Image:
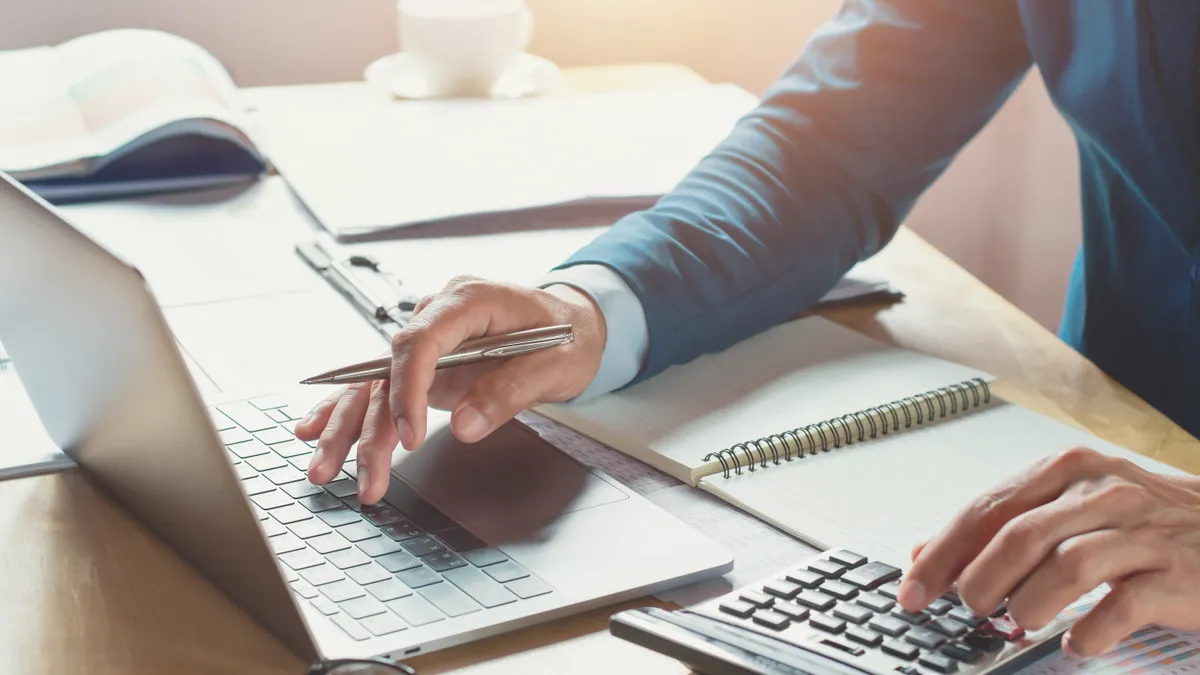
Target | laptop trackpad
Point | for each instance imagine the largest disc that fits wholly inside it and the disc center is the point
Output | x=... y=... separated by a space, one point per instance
x=505 y=488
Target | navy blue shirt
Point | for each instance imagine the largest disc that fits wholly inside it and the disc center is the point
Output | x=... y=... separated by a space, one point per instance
x=821 y=174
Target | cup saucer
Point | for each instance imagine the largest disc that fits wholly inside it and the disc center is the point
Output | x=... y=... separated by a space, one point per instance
x=529 y=75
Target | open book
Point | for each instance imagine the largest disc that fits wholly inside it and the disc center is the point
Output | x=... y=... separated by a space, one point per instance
x=830 y=435
x=121 y=113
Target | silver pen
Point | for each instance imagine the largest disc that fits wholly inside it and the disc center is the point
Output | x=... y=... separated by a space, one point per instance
x=472 y=351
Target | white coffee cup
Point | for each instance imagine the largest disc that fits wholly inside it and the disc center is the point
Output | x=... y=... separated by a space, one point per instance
x=462 y=47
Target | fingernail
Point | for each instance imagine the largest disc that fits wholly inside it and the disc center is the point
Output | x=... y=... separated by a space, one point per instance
x=403 y=430
x=912 y=594
x=318 y=458
x=364 y=481
x=472 y=425
x=1066 y=646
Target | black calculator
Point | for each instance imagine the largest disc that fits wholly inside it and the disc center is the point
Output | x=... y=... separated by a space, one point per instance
x=836 y=613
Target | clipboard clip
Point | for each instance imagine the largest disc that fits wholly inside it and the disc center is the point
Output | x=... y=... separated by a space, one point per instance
x=374 y=290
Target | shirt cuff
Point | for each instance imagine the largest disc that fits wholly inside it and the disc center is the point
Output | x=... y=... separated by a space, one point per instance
x=628 y=336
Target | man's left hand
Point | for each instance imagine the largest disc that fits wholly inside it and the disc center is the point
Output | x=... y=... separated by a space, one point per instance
x=1062 y=528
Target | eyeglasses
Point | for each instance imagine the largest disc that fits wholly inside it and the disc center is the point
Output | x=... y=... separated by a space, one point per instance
x=359 y=667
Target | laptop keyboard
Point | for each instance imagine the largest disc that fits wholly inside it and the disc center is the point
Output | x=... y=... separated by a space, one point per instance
x=374 y=570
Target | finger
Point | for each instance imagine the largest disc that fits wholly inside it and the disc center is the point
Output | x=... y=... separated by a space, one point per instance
x=375 y=446
x=1125 y=609
x=310 y=428
x=916 y=550
x=343 y=429
x=498 y=396
x=1077 y=566
x=1023 y=542
x=947 y=553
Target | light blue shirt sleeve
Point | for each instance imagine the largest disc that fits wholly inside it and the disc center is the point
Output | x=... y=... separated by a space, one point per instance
x=628 y=336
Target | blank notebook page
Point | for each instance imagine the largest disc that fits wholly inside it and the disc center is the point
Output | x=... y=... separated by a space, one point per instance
x=883 y=496
x=798 y=373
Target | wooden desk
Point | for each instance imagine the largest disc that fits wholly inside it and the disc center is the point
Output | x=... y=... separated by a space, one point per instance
x=86 y=589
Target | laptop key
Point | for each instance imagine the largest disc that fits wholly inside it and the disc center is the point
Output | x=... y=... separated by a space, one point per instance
x=341 y=590
x=402 y=531
x=342 y=488
x=352 y=503
x=352 y=627
x=529 y=587
x=420 y=512
x=289 y=574
x=271 y=500
x=301 y=559
x=449 y=599
x=388 y=589
x=507 y=571
x=234 y=435
x=301 y=462
x=479 y=586
x=368 y=574
x=322 y=574
x=376 y=547
x=419 y=577
x=307 y=529
x=415 y=610
x=441 y=562
x=284 y=475
x=358 y=531
x=277 y=415
x=346 y=558
x=362 y=607
x=265 y=403
x=383 y=515
x=246 y=416
x=293 y=448
x=483 y=557
x=460 y=540
x=304 y=589
x=261 y=514
x=220 y=421
x=285 y=543
x=423 y=546
x=384 y=624
x=256 y=486
x=398 y=561
x=321 y=502
x=328 y=543
x=273 y=435
x=266 y=462
x=327 y=608
x=292 y=513
x=245 y=471
x=272 y=528
x=339 y=516
x=248 y=449
x=302 y=489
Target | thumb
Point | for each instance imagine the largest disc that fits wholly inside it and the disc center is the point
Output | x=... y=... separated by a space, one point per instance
x=498 y=396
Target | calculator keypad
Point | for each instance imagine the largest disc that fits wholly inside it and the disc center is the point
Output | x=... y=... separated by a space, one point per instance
x=844 y=606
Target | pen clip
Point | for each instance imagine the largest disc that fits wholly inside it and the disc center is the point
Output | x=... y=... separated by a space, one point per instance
x=532 y=346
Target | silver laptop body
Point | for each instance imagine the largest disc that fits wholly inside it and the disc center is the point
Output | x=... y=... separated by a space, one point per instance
x=505 y=533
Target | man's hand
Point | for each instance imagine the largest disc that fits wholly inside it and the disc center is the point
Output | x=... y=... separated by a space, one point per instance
x=1057 y=531
x=380 y=415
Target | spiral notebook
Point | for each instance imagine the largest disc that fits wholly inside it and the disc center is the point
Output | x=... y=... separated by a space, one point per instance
x=829 y=435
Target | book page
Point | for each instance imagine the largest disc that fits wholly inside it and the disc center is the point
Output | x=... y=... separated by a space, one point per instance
x=798 y=373
x=90 y=96
x=1149 y=651
x=882 y=497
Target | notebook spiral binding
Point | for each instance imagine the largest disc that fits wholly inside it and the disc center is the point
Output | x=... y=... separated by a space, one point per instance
x=853 y=428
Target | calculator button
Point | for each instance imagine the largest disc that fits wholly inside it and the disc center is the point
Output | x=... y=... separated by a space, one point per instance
x=827 y=568
x=806 y=578
x=794 y=611
x=843 y=647
x=852 y=613
x=871 y=575
x=887 y=625
x=915 y=618
x=816 y=600
x=962 y=652
x=739 y=608
x=983 y=641
x=757 y=599
x=876 y=603
x=863 y=636
x=771 y=619
x=783 y=589
x=961 y=613
x=939 y=607
x=889 y=589
x=999 y=612
x=900 y=649
x=839 y=590
x=926 y=639
x=847 y=558
x=948 y=627
x=939 y=662
x=952 y=597
x=827 y=623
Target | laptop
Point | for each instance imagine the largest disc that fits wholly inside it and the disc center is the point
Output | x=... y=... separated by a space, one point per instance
x=470 y=541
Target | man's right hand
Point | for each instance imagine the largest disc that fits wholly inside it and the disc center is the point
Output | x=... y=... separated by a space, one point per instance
x=380 y=415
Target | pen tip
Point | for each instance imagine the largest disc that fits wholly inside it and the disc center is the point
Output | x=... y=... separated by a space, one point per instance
x=308 y=381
